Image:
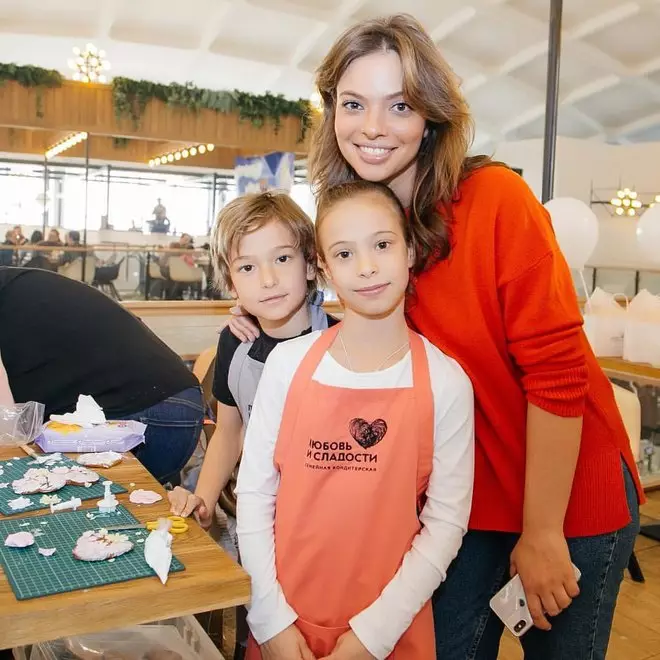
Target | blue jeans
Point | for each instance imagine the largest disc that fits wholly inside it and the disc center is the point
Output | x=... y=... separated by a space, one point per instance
x=173 y=429
x=467 y=629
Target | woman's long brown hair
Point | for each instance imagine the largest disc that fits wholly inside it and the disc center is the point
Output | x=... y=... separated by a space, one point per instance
x=432 y=90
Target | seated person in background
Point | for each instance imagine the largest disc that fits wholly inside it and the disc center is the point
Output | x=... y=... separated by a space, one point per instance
x=72 y=240
x=263 y=252
x=7 y=255
x=60 y=338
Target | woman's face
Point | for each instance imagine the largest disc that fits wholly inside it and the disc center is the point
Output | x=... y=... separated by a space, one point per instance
x=377 y=132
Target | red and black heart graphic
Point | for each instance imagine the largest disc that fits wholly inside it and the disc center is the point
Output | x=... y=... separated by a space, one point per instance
x=365 y=434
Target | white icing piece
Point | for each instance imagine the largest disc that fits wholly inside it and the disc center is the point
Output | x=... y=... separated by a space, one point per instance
x=104 y=459
x=50 y=499
x=101 y=545
x=19 y=503
x=19 y=540
x=141 y=496
x=4 y=485
x=81 y=475
x=47 y=459
x=47 y=552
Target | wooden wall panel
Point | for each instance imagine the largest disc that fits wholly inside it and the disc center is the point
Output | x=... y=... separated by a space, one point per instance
x=79 y=107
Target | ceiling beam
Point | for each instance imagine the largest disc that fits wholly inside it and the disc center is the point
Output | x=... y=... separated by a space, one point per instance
x=346 y=9
x=635 y=126
x=452 y=23
x=588 y=27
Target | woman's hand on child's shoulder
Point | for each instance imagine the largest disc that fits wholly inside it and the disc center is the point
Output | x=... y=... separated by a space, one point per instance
x=287 y=645
x=241 y=325
x=349 y=647
x=184 y=503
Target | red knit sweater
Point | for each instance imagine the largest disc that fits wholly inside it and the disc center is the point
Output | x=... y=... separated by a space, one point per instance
x=504 y=306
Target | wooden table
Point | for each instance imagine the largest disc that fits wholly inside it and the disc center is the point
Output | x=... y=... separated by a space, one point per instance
x=644 y=374
x=211 y=581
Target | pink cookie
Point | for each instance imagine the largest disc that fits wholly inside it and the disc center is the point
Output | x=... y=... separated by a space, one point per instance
x=19 y=540
x=141 y=496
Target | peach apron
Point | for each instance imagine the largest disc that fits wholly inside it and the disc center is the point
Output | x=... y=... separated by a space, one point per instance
x=354 y=467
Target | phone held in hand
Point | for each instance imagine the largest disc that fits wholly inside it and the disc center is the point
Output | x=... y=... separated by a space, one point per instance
x=510 y=605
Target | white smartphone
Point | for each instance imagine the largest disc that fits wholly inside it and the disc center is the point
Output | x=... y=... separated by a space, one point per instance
x=510 y=605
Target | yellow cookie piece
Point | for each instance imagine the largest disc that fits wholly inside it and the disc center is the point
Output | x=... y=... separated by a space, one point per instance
x=58 y=427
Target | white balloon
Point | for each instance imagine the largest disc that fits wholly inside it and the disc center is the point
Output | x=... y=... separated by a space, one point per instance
x=576 y=228
x=648 y=234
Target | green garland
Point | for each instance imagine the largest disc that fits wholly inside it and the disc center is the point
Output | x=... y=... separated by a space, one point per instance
x=31 y=76
x=130 y=98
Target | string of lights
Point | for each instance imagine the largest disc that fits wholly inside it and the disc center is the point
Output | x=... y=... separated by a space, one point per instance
x=181 y=154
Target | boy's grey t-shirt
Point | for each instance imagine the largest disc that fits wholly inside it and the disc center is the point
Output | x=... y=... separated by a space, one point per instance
x=238 y=366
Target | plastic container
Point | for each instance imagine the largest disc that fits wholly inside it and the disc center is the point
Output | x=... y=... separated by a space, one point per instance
x=171 y=639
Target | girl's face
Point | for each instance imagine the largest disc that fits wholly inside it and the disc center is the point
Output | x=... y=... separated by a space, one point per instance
x=365 y=255
x=378 y=133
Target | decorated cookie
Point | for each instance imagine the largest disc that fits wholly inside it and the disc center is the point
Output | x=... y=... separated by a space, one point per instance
x=104 y=459
x=101 y=545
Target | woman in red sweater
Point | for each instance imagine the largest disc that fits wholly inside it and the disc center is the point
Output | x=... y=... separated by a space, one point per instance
x=555 y=477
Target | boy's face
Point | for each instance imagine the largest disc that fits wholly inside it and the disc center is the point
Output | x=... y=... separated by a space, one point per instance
x=269 y=274
x=365 y=255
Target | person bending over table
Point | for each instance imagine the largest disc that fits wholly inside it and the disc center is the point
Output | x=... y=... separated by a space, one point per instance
x=60 y=338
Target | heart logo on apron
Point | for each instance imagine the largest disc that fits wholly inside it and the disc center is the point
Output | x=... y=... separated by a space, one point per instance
x=365 y=434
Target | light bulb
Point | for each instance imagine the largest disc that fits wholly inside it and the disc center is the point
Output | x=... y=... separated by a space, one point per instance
x=615 y=201
x=177 y=155
x=657 y=198
x=636 y=204
x=202 y=149
x=626 y=191
x=631 y=212
x=633 y=195
x=184 y=153
x=170 y=158
x=193 y=151
x=626 y=202
x=211 y=147
x=151 y=163
x=620 y=194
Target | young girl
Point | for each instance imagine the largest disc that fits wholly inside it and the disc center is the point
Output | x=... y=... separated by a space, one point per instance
x=355 y=485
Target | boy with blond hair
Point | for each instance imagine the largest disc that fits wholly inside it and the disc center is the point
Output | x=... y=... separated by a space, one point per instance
x=264 y=253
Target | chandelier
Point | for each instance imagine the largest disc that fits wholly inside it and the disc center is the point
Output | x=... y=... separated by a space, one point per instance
x=89 y=64
x=626 y=202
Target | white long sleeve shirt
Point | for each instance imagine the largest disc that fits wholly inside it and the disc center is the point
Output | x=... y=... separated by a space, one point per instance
x=444 y=516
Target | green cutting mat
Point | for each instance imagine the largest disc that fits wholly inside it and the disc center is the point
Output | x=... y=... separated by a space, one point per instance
x=17 y=467
x=32 y=575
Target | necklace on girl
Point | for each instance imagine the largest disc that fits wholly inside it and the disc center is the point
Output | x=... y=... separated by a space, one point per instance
x=382 y=364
